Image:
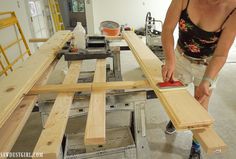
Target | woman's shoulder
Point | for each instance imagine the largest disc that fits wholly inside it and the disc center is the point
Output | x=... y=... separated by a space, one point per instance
x=231 y=5
x=230 y=22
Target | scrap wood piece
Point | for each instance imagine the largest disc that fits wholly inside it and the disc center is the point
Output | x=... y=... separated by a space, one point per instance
x=95 y=132
x=66 y=88
x=181 y=107
x=18 y=83
x=37 y=40
x=51 y=137
x=209 y=140
x=12 y=128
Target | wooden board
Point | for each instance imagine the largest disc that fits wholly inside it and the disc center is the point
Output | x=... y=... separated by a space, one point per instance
x=18 y=83
x=95 y=126
x=65 y=88
x=114 y=37
x=210 y=141
x=182 y=108
x=51 y=137
x=184 y=111
x=12 y=128
x=37 y=40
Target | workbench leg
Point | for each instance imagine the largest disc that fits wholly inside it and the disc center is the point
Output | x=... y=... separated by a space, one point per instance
x=143 y=151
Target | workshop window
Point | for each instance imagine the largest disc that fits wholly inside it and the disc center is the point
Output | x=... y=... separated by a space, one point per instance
x=78 y=6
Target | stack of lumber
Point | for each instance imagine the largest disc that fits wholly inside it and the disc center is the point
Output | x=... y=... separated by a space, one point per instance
x=13 y=87
x=17 y=84
x=184 y=111
x=13 y=126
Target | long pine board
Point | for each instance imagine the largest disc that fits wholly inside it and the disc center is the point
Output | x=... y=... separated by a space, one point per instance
x=181 y=107
x=12 y=128
x=95 y=131
x=176 y=102
x=116 y=85
x=18 y=83
x=51 y=137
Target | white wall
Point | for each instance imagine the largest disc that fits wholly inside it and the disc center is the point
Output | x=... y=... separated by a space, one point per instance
x=89 y=5
x=131 y=12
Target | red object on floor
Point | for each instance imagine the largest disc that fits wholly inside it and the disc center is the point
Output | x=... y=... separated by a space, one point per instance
x=170 y=84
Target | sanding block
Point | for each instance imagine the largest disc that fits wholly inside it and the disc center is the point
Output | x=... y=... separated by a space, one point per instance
x=171 y=85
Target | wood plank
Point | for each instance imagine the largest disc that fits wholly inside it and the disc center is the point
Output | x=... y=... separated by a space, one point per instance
x=209 y=140
x=10 y=131
x=120 y=85
x=66 y=88
x=51 y=137
x=18 y=83
x=95 y=132
x=37 y=40
x=114 y=37
x=12 y=128
x=182 y=108
x=178 y=104
x=61 y=88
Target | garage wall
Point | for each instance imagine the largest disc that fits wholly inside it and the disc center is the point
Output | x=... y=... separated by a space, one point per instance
x=130 y=12
x=89 y=7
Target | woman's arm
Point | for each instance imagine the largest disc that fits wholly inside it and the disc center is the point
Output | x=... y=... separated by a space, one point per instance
x=171 y=20
x=219 y=57
x=221 y=52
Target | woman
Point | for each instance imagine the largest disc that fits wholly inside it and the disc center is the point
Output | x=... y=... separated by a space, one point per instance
x=207 y=29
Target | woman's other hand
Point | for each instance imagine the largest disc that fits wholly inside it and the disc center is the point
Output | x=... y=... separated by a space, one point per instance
x=202 y=91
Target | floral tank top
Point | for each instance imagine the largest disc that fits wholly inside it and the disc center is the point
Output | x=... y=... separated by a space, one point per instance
x=194 y=41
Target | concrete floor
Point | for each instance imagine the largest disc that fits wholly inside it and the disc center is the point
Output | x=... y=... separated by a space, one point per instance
x=222 y=108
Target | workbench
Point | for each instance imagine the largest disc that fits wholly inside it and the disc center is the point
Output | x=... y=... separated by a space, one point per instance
x=20 y=91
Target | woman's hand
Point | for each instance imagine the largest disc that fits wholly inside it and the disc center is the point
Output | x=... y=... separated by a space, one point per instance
x=202 y=91
x=167 y=72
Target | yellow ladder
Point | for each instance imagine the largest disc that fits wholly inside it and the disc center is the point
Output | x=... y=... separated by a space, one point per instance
x=56 y=15
x=9 y=21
